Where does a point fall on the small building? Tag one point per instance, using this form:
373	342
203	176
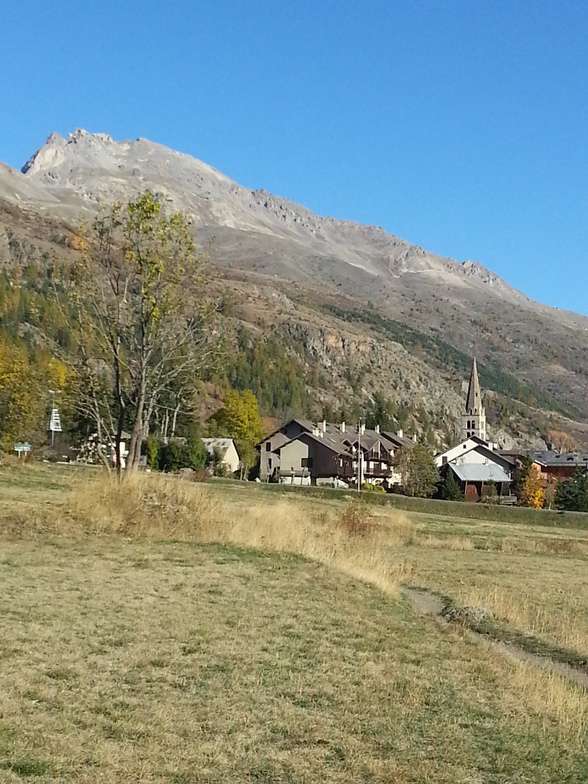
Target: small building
476	468
559	466
225	447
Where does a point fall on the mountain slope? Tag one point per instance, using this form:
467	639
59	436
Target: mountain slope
258	238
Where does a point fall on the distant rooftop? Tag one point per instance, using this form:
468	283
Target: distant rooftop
551	458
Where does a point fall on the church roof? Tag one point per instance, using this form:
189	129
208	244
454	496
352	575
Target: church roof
474	398
479	472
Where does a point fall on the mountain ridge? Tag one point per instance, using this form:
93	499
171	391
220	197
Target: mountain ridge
100	152
258	238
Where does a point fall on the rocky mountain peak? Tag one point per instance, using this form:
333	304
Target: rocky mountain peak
360	272
263	231
55	150
46	155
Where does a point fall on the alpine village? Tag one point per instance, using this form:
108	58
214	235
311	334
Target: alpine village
249	370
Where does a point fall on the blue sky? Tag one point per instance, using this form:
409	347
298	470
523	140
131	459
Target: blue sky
461	126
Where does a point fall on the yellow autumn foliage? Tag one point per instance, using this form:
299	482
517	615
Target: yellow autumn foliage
24	393
534	489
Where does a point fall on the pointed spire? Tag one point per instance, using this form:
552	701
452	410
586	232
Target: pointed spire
474	398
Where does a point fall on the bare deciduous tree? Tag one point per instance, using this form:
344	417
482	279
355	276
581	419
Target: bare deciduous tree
144	320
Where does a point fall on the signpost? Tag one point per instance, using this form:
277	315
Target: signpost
20	448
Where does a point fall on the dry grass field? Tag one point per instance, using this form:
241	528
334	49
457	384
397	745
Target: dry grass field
171	632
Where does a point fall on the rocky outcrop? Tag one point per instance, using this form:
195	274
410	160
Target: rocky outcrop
281	245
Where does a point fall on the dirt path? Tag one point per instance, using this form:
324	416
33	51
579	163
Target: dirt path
430	604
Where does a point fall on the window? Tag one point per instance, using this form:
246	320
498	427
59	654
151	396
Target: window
269	463
306	462
268	446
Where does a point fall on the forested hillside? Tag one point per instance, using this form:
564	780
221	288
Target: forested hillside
292	366
315	316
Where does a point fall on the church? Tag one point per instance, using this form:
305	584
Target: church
477	468
474	418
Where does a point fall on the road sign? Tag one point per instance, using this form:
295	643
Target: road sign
20	448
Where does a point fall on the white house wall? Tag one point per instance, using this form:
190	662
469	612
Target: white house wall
464	448
472	453
231	458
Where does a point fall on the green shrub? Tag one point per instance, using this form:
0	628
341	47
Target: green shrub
371	487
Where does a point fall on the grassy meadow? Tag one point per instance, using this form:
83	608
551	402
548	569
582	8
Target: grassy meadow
164	631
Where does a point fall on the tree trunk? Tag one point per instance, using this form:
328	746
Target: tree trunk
175	419
136	435
99	451
164	426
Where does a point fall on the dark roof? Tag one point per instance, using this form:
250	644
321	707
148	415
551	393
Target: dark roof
327	440
553	459
336	440
305	424
478	440
349	435
397	440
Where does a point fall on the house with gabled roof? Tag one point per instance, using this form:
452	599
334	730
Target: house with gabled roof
269	462
319	455
476	467
559	466
226	450
301	452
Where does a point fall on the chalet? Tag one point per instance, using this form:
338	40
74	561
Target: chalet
269	463
301	452
377	454
552	466
319	455
559	466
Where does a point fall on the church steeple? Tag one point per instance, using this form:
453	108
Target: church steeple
474	398
474	418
